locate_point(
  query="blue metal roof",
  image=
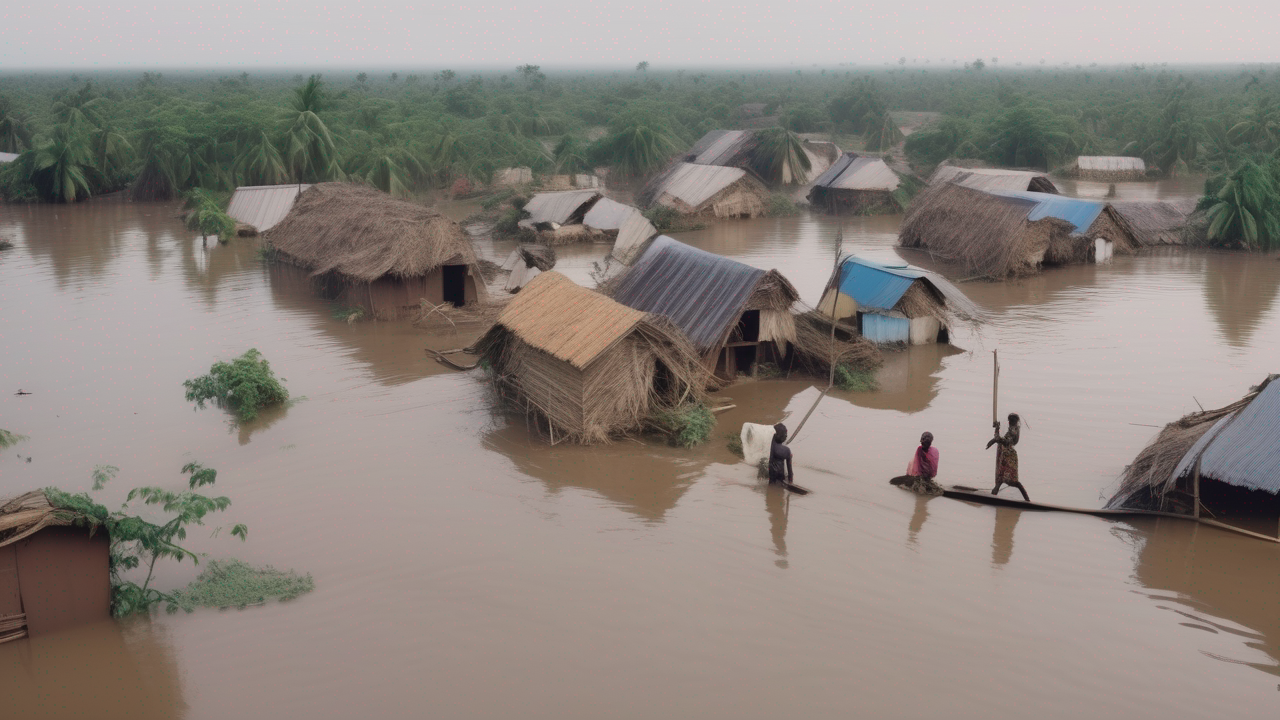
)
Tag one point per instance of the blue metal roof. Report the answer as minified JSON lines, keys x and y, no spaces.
{"x":1080,"y":213}
{"x":1243,"y":448}
{"x":874,"y":285}
{"x":701,"y":292}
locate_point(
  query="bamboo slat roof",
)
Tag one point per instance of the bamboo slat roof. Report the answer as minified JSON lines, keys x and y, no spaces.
{"x":1152,"y":222}
{"x":566,"y":320}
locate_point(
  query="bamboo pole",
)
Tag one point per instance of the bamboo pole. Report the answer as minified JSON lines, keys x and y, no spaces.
{"x":995,"y":396}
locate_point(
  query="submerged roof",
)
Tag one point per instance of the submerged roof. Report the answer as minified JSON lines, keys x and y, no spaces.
{"x":262,"y":206}
{"x":720,"y":147}
{"x":632,"y":236}
{"x":607,"y":214}
{"x":1243,"y":448}
{"x":702,"y":293}
{"x":993,"y":179}
{"x":566,"y":320}
{"x":1152,"y":222}
{"x":558,"y":207}
{"x":1080,"y":213}
{"x":696,"y":184}
{"x":1110,"y":163}
{"x":880,"y":286}
{"x":854,"y":172}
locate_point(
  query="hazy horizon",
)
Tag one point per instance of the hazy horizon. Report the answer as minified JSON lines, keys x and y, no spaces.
{"x":576,"y":35}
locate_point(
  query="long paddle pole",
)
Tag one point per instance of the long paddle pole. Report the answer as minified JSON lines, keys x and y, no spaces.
{"x":995,"y":396}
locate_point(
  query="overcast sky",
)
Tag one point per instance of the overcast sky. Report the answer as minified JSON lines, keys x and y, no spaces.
{"x":353,"y":34}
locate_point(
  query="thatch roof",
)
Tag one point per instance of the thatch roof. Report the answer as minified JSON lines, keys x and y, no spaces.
{"x":363,"y":234}
{"x":1238,"y":445}
{"x":702,"y":293}
{"x":559,"y":208}
{"x":262,"y":207}
{"x":28,"y":514}
{"x":693,"y":189}
{"x":858,"y":172}
{"x":1152,"y":222}
{"x":993,"y":179}
{"x":990,"y":235}
{"x":560,"y":317}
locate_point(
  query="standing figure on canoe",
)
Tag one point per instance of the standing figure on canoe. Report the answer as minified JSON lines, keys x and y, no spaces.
{"x":1007,"y":457}
{"x":780,"y":471}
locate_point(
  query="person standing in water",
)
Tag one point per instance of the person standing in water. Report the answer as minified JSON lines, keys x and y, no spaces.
{"x":780,"y":457}
{"x":1007,"y":457}
{"x":924,"y":464}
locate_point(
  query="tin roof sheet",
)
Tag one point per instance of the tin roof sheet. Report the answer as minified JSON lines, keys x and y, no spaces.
{"x":695,"y":184}
{"x":987,"y":179}
{"x":1243,"y":448}
{"x":607,"y":214}
{"x":1110,"y":163}
{"x":6,"y":157}
{"x":263,"y":206}
{"x":558,"y":207}
{"x":855,"y":172}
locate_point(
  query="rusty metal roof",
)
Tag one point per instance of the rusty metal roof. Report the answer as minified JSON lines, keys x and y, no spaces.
{"x":262,"y":206}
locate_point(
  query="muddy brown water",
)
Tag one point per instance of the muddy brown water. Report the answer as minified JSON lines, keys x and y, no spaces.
{"x":464,"y":569}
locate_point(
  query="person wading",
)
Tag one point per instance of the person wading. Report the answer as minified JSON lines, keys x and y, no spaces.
{"x":924,"y":464}
{"x":780,"y":471}
{"x":1007,"y":457}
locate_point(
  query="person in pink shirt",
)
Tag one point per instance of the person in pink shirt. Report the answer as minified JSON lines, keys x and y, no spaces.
{"x":924,"y":464}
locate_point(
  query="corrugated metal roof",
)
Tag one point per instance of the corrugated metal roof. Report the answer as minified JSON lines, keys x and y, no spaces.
{"x":1080,"y":213}
{"x":1110,"y":163}
{"x":558,"y":207}
{"x":572,"y":323}
{"x":607,"y":214}
{"x":988,"y":179}
{"x":7,"y":157}
{"x":702,"y":293}
{"x":632,"y":236}
{"x":854,"y":172}
{"x":262,"y":206}
{"x":696,"y":184}
{"x":720,"y":147}
{"x":1242,"y":449}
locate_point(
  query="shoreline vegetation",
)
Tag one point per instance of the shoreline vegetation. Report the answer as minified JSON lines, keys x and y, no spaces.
{"x":419,"y":134}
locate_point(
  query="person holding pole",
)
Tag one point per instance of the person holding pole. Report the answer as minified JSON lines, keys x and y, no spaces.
{"x":1007,"y":457}
{"x":780,"y":471}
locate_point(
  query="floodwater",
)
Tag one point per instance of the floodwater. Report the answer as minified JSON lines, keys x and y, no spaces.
{"x":467,"y":570}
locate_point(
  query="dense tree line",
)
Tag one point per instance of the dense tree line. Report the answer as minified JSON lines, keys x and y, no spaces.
{"x":162,"y":135}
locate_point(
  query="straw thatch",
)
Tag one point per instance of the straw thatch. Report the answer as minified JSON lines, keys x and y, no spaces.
{"x":365,"y":234}
{"x":29,"y":513}
{"x":990,"y":235}
{"x":586,"y":366}
{"x":1152,"y":223}
{"x":706,"y":190}
{"x":1149,"y":482}
{"x":815,"y":353}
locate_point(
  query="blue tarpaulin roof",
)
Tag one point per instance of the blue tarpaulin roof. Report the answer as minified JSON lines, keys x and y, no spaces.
{"x":879,"y":286}
{"x":1243,"y":448}
{"x":702,"y":293}
{"x":1080,"y":213}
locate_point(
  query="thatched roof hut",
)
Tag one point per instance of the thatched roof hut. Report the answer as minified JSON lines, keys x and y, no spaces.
{"x":734,"y":314}
{"x":993,"y":179}
{"x":54,"y":569}
{"x":1152,"y":223}
{"x":368,"y":249}
{"x":258,"y":208}
{"x":989,"y":235}
{"x":588,"y":367}
{"x":895,"y":303}
{"x":1224,"y":462}
{"x":855,"y":184}
{"x":1108,"y":168}
{"x":706,"y":190}
{"x":1090,"y":220}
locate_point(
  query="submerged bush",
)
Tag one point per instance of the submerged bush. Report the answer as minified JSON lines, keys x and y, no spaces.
{"x":348,"y":313}
{"x":9,"y":439}
{"x":666,"y":219}
{"x":780,"y":205}
{"x":234,"y":583}
{"x":855,"y":380}
{"x":244,"y":386}
{"x":687,"y":425}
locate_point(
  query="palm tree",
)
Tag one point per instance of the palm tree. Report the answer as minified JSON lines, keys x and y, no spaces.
{"x":780,"y":157}
{"x":15,"y":129}
{"x":80,"y":109}
{"x":570,"y":156}
{"x":64,"y":165}
{"x":882,"y":133}
{"x":1244,"y":210}
{"x":638,"y":149}
{"x":259,"y":163}
{"x":111,"y":152}
{"x":392,"y":171}
{"x":1261,"y":125}
{"x":165,"y":168}
{"x":309,"y":150}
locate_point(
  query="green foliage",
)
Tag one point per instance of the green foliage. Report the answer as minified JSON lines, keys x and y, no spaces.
{"x":636,"y":149}
{"x":854,"y":379}
{"x":348,"y":313}
{"x":309,"y":149}
{"x":244,"y":386}
{"x":1246,"y":209}
{"x":137,"y":541}
{"x":233,"y":583}
{"x":688,"y":425}
{"x":61,"y":169}
{"x":780,"y":205}
{"x":497,"y":198}
{"x":9,"y":439}
{"x":780,"y":157}
{"x":882,"y":134}
{"x":734,"y":444}
{"x":667,"y":220}
{"x":205,"y":216}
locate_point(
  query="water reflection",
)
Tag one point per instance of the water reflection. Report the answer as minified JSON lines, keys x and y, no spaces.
{"x":918,"y":516}
{"x":908,"y":381}
{"x":777,"y":501}
{"x":106,"y":669}
{"x":1240,"y":292}
{"x":1002,"y":534}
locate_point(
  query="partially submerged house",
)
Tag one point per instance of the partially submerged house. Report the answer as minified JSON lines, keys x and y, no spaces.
{"x":993,"y":179}
{"x":706,"y":190}
{"x":54,"y":573}
{"x":895,"y":303}
{"x":1222,"y":464}
{"x":366,"y":249}
{"x":1152,"y":223}
{"x":527,"y":262}
{"x":1091,"y":221}
{"x":557,"y":216}
{"x":258,"y":208}
{"x":855,"y":184}
{"x":989,"y":235}
{"x":587,"y":367}
{"x":739,"y":148}
{"x":735,"y":315}
{"x":1103,"y":168}
{"x":625,"y":225}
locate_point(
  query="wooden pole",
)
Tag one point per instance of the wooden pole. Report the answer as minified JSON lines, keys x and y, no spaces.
{"x":995,"y":413}
{"x":1195,"y":479}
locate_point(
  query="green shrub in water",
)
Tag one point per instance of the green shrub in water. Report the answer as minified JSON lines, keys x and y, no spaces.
{"x":349,"y":313}
{"x":687,"y":425}
{"x":780,"y":205}
{"x":735,"y":444}
{"x":9,"y":439}
{"x":854,"y":380}
{"x":233,"y":583}
{"x":244,"y":386}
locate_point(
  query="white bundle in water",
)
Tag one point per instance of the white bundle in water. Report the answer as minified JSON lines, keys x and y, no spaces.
{"x":756,"y":442}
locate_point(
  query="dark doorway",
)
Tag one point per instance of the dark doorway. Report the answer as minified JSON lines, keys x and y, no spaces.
{"x":744,"y":359}
{"x":748,"y":329}
{"x":455,"y":284}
